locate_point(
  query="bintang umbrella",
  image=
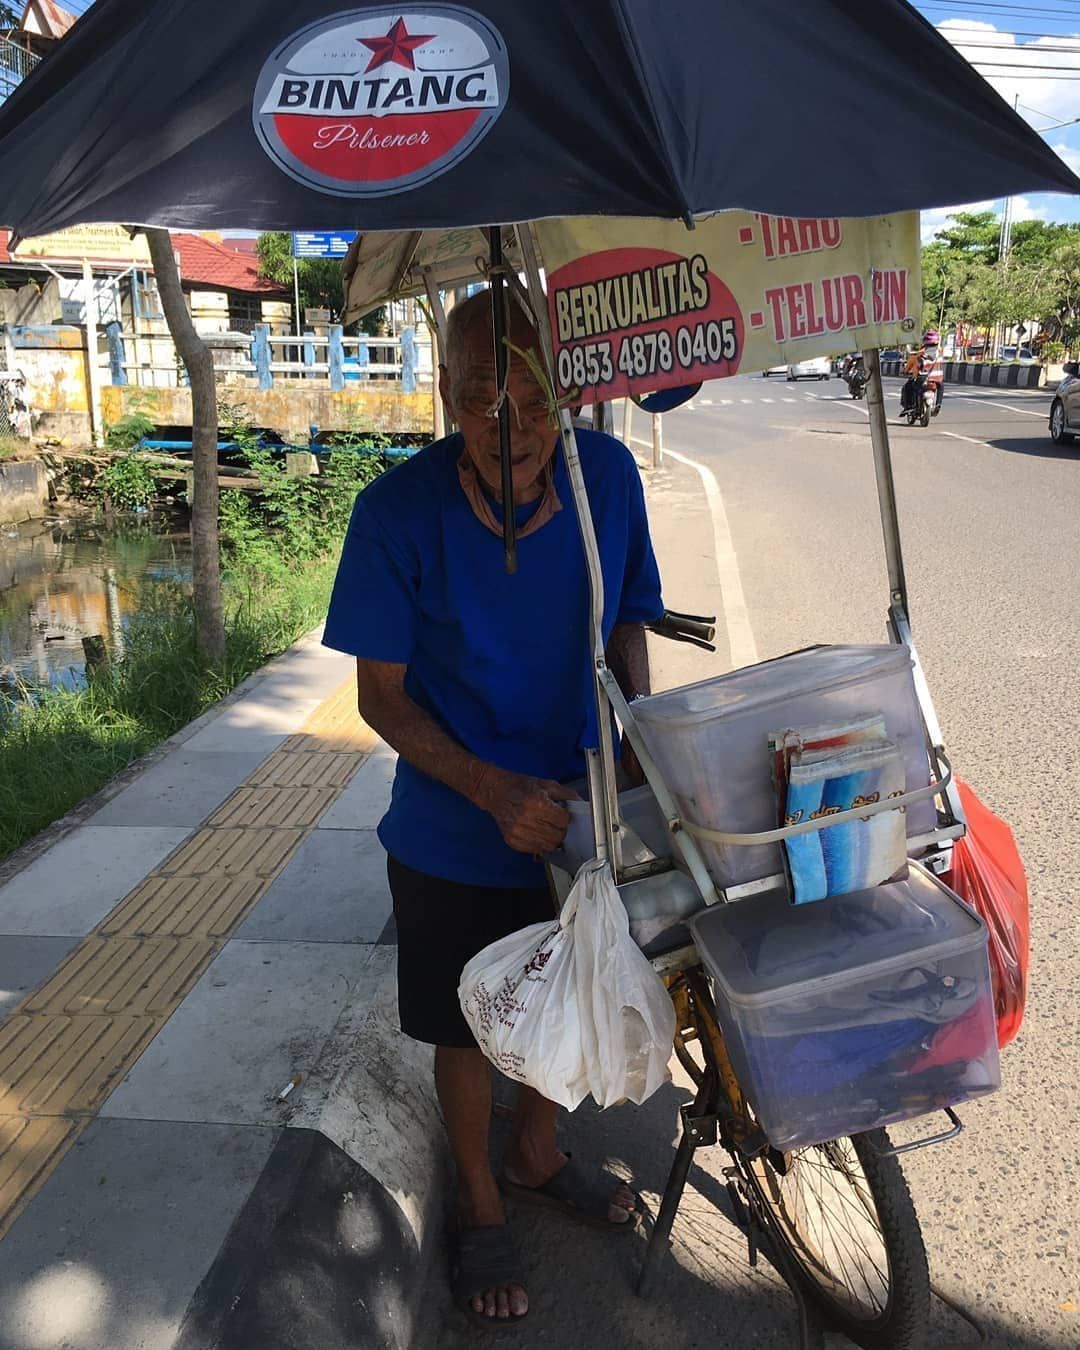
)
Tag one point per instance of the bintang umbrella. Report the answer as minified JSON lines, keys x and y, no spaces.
{"x":272,"y":114}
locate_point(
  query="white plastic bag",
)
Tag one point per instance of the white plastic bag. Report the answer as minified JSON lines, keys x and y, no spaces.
{"x":573,"y":1006}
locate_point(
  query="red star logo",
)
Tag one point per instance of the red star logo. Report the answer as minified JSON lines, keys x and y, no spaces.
{"x":397,"y":46}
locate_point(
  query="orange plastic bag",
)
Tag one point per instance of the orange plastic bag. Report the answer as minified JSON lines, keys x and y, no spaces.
{"x":988,"y":873}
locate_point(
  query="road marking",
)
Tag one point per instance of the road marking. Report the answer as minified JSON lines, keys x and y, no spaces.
{"x":993,"y":403}
{"x":706,"y":402}
{"x":766,"y":400}
{"x":740,"y":633}
{"x":746,"y":400}
{"x":970,"y":439}
{"x":727,"y":402}
{"x":789,"y":400}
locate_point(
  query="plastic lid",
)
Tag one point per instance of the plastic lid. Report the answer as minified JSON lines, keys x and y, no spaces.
{"x":818,"y":669}
{"x":763,"y":947}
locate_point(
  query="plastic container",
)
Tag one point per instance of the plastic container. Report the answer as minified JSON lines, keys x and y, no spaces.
{"x":855,"y":1011}
{"x":710,"y":740}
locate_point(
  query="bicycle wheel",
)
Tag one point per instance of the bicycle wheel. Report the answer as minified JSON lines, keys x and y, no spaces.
{"x":846,"y":1219}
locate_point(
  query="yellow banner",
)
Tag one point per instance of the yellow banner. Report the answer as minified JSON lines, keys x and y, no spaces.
{"x":104,"y":243}
{"x":639,"y":305}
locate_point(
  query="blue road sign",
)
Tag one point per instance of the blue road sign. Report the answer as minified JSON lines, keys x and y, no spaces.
{"x":322,"y":243}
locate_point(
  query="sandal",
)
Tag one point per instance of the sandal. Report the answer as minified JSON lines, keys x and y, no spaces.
{"x":484,"y":1259}
{"x":583,"y":1195}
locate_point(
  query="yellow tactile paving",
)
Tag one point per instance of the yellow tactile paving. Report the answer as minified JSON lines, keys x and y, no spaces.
{"x":260,"y":807}
{"x":30,"y":1146}
{"x":207,"y":906}
{"x":68,"y":1043}
{"x":232,"y":852}
{"x":305,"y":768}
{"x":136,"y":976}
{"x":54,"y":1065}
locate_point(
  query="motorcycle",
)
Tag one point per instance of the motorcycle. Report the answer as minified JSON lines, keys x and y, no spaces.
{"x":856,"y":379}
{"x":925,"y":402}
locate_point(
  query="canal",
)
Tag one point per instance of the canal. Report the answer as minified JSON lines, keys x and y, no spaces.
{"x":71,"y":577}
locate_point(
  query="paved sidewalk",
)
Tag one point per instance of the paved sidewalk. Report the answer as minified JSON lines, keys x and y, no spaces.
{"x":210,"y":1132}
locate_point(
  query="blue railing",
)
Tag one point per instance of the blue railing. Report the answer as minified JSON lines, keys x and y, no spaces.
{"x":15,"y":64}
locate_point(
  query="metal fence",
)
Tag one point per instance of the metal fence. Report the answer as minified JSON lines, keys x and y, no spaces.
{"x":15,"y":64}
{"x":405,"y":360}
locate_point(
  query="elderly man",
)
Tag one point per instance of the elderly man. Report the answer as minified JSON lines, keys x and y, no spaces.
{"x":481,"y":682}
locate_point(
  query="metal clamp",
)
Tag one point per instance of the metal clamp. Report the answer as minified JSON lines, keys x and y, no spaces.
{"x":944,"y":1137}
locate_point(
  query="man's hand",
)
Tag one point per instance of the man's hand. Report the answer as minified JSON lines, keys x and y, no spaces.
{"x":526,"y":810}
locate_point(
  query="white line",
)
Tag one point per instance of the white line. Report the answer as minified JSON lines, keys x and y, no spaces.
{"x":706,"y":402}
{"x":789,"y":400}
{"x":993,"y":403}
{"x":727,"y":402}
{"x":741,"y":642}
{"x":746,"y":400}
{"x":970,"y":439}
{"x":766,"y":400}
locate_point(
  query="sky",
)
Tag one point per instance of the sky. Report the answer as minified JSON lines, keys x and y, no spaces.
{"x":1025,"y":48}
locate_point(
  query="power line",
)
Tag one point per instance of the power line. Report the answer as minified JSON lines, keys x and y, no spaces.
{"x":1042,"y":11}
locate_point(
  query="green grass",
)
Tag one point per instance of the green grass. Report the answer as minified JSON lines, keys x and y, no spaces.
{"x":62,"y":745}
{"x":9,"y":447}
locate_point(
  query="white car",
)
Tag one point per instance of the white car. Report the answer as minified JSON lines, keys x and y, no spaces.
{"x":775,"y":370}
{"x":816,"y":368}
{"x":1065,"y":409}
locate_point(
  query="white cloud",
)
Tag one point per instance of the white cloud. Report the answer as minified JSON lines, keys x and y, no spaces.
{"x":937,"y":219}
{"x":1054,"y":93}
{"x":1069,"y":153}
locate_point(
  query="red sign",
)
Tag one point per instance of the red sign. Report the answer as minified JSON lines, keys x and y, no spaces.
{"x":629,"y":315}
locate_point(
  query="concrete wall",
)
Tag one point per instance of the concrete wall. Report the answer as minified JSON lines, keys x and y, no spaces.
{"x":24,"y":490}
{"x":289,"y":409}
{"x":53,"y":359}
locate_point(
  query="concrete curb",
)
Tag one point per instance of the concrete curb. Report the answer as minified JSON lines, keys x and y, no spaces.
{"x":976,"y":372}
{"x":338,"y":1237}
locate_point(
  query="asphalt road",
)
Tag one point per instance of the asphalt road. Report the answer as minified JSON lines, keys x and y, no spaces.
{"x":769,"y":519}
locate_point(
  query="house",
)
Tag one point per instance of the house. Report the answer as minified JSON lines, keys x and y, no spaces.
{"x":27,"y":37}
{"x":224,"y":289}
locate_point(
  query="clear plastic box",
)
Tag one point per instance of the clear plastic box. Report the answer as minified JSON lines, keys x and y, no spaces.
{"x":855,"y":1011}
{"x":710,"y":740}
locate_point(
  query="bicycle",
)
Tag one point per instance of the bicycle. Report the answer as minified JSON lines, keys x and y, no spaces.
{"x":838,"y":1217}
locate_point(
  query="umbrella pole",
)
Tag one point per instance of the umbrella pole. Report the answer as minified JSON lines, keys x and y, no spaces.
{"x":603,"y":792}
{"x":502,"y":360}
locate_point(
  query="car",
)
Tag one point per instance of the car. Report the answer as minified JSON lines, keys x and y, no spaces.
{"x":1023,"y":356}
{"x":814,"y":368}
{"x":891,"y":354}
{"x":774,"y":370}
{"x":1065,"y":409}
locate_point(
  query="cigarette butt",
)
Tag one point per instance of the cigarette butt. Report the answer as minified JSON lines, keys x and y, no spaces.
{"x":293,"y":1082}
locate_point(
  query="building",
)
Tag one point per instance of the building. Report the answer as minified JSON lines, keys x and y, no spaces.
{"x":42,"y":283}
{"x":27,"y":37}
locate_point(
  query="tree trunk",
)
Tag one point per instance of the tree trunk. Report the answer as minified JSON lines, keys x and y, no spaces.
{"x":197,"y":358}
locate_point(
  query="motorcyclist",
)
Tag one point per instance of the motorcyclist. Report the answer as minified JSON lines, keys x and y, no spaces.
{"x":917,"y":367}
{"x":852,"y":370}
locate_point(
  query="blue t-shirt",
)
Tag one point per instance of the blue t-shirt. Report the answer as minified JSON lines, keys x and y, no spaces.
{"x":502,"y":663}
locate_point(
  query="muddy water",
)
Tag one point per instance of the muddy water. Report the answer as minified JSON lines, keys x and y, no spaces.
{"x":69,"y":577}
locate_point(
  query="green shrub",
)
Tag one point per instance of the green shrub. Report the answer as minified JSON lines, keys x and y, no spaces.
{"x":127,"y":483}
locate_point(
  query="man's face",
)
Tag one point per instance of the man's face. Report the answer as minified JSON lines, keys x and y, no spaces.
{"x":532,"y":438}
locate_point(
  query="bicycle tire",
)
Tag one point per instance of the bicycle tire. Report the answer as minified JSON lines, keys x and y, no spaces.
{"x":901,"y":1324}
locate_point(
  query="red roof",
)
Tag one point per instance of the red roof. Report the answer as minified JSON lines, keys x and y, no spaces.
{"x":220,"y":268}
{"x":202,"y":263}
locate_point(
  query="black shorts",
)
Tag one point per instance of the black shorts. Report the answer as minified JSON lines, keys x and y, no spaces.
{"x":441,"y":925}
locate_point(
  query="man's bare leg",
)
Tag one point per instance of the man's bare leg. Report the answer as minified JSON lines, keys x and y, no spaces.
{"x":533,"y":1156}
{"x":463,"y":1082}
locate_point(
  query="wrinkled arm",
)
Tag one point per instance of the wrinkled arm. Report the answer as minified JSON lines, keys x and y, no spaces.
{"x":628,"y":659}
{"x":525,"y":809}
